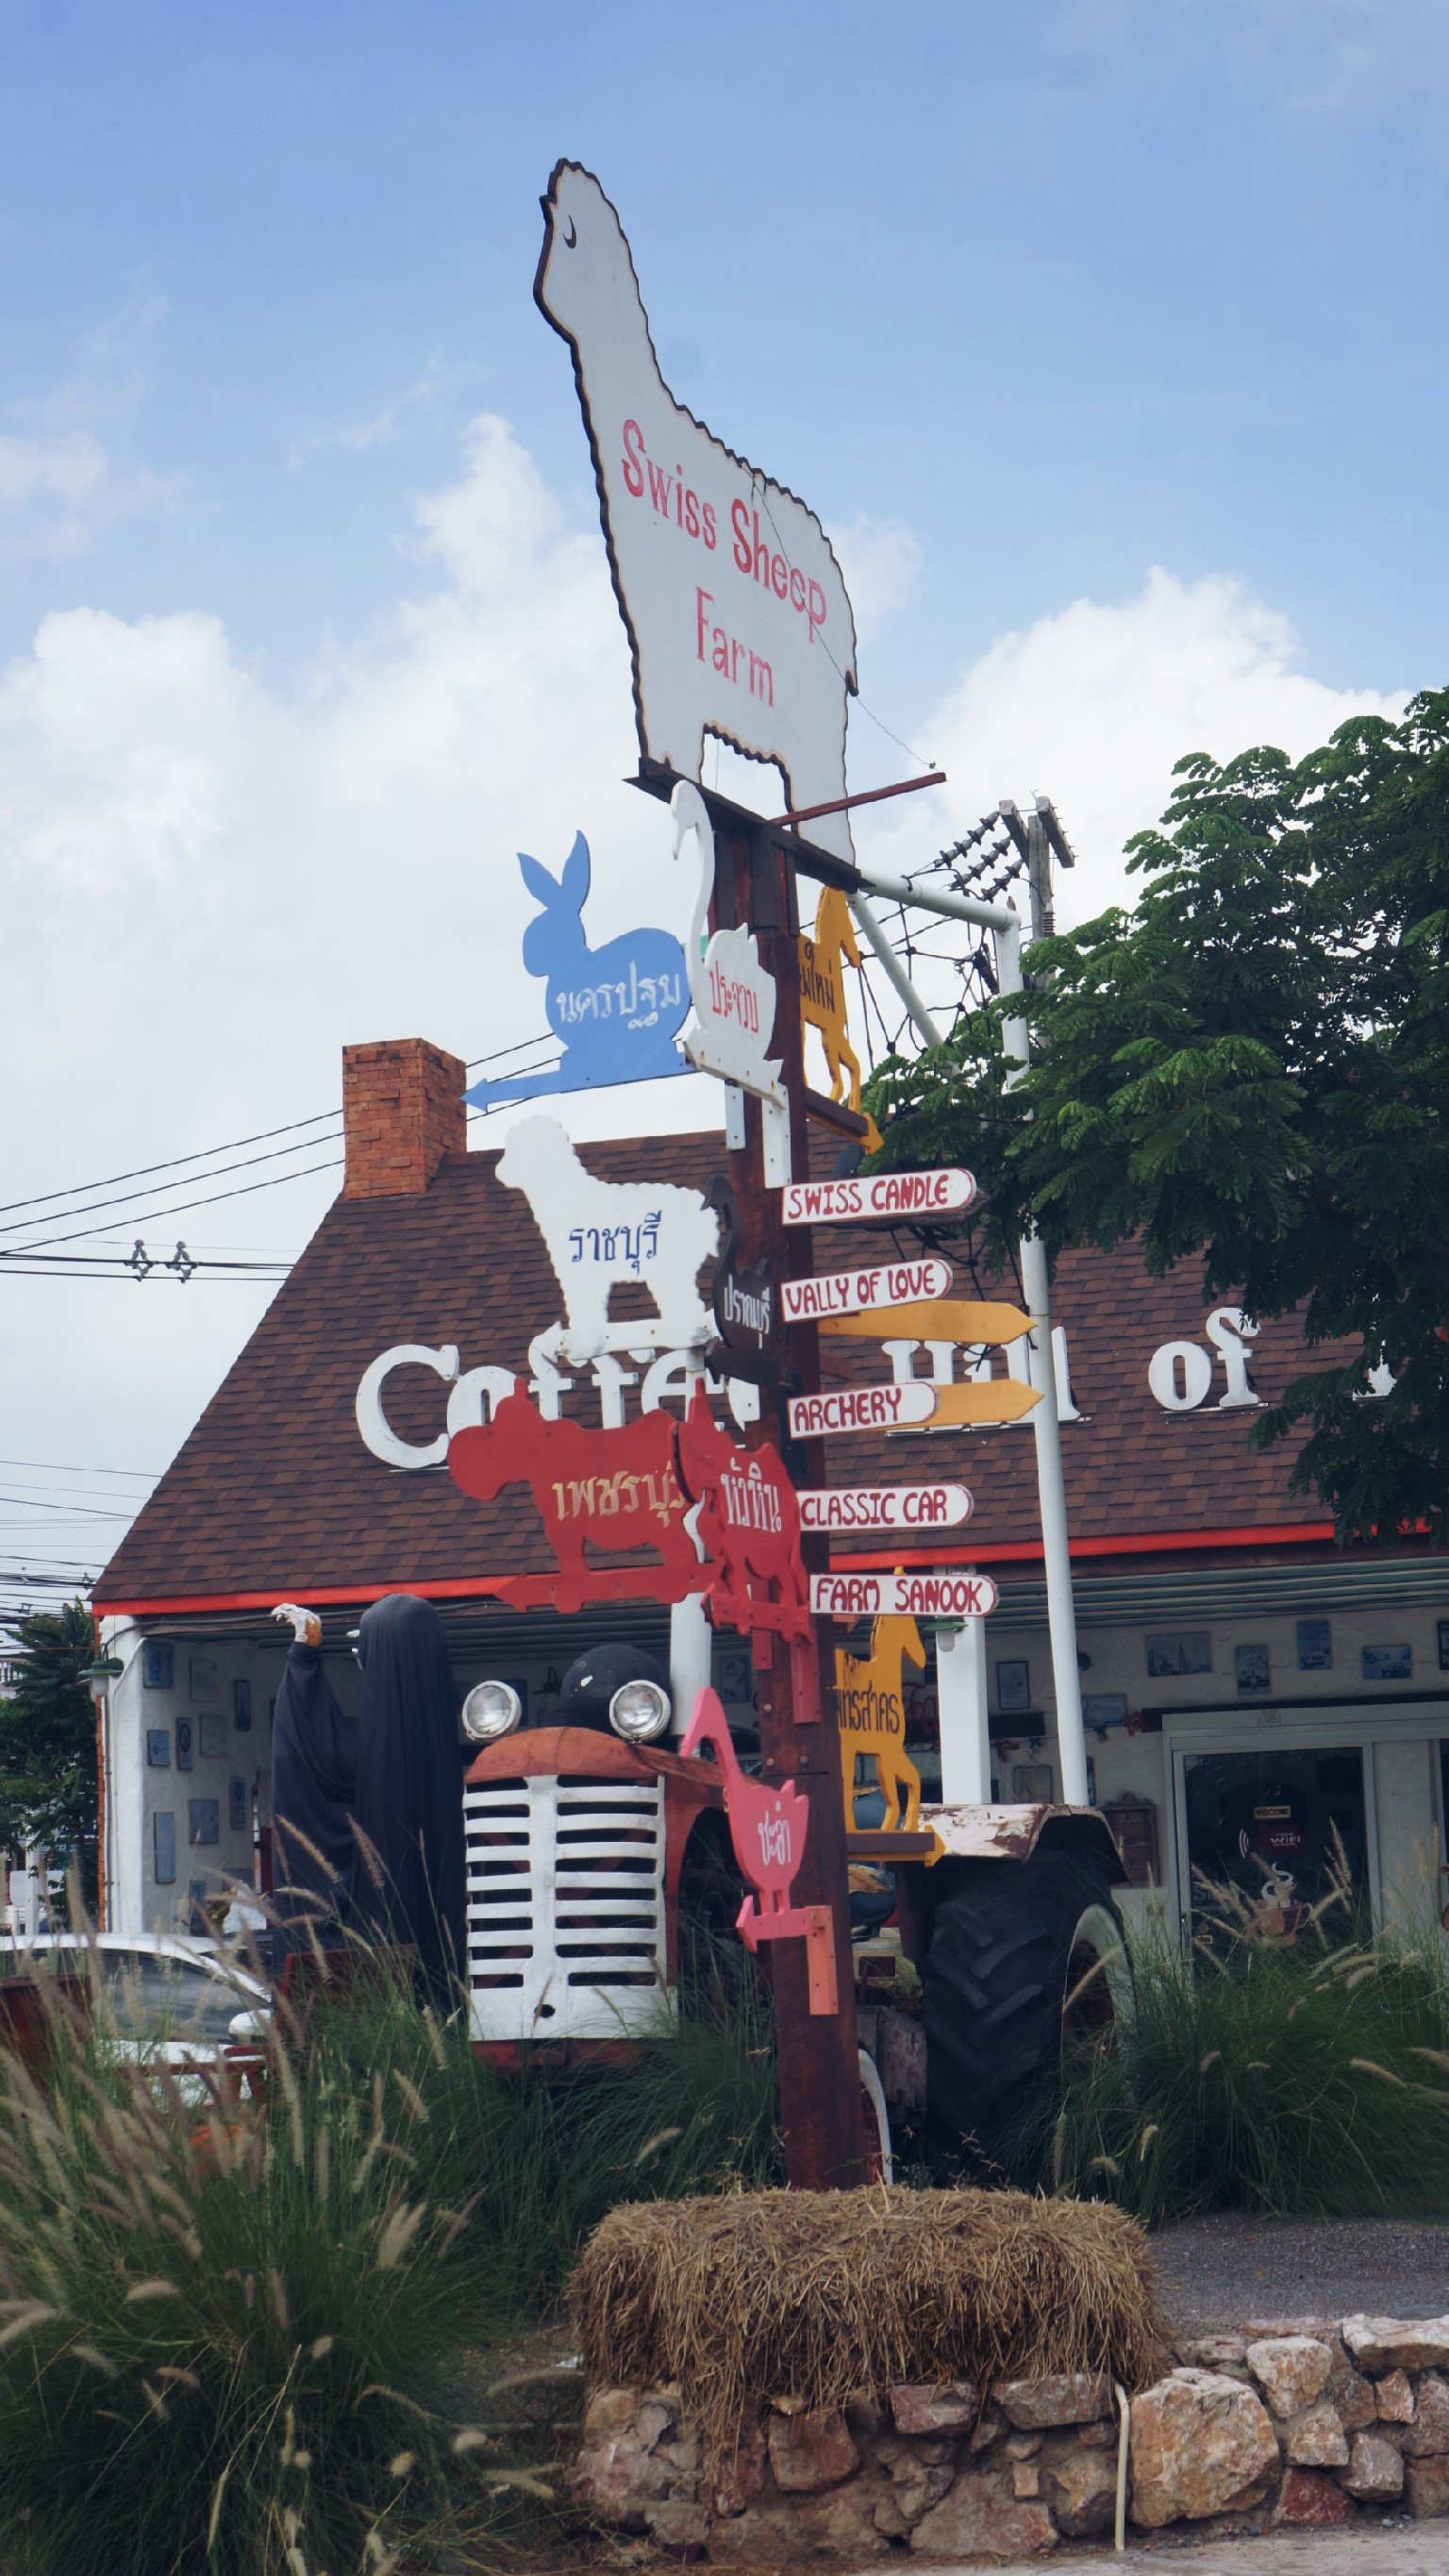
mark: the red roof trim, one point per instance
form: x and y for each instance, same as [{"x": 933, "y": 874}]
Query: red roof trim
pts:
[
  {"x": 1143, "y": 1543},
  {"x": 463, "y": 1587}
]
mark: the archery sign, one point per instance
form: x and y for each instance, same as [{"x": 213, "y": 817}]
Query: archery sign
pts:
[
  {"x": 883, "y": 1507},
  {"x": 951, "y": 1595},
  {"x": 883, "y": 1198},
  {"x": 860, "y": 1408},
  {"x": 855, "y": 1292}
]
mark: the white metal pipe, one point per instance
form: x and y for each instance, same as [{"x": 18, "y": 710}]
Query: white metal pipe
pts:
[
  {"x": 1047, "y": 1432},
  {"x": 895, "y": 973},
  {"x": 952, "y": 907},
  {"x": 691, "y": 1641},
  {"x": 962, "y": 1702}
]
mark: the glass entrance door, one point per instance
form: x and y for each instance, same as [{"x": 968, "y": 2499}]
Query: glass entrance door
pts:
[{"x": 1270, "y": 1823}]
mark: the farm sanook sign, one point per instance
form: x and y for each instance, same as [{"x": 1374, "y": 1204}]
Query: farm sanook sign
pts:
[{"x": 953, "y": 1595}]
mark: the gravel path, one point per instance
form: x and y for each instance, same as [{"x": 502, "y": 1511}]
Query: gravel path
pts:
[
  {"x": 1408, "y": 2549},
  {"x": 1217, "y": 2272}
]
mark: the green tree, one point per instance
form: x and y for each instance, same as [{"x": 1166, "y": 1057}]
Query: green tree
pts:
[
  {"x": 1253, "y": 1067},
  {"x": 48, "y": 1785}
]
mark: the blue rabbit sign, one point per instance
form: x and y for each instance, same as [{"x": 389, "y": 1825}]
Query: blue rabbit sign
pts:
[{"x": 615, "y": 1008}]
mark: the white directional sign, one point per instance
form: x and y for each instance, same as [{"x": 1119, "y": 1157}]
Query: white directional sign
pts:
[
  {"x": 879, "y": 1199},
  {"x": 883, "y": 1507},
  {"x": 860, "y": 1408},
  {"x": 926, "y": 1595},
  {"x": 854, "y": 1292}
]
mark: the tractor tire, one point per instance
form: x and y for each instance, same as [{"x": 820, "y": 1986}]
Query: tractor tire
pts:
[{"x": 1004, "y": 1994}]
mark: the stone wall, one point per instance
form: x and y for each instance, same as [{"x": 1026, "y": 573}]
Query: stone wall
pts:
[{"x": 1293, "y": 2422}]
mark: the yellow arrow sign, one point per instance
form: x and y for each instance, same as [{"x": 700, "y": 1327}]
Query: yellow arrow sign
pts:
[
  {"x": 992, "y": 1399},
  {"x": 943, "y": 1319}
]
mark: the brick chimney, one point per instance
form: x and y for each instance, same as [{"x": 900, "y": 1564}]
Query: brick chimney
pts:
[{"x": 402, "y": 1111}]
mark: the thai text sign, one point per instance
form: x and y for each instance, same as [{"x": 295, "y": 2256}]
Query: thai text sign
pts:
[
  {"x": 854, "y": 1292},
  {"x": 860, "y": 1408},
  {"x": 951, "y": 1595},
  {"x": 884, "y": 1507},
  {"x": 880, "y": 1199}
]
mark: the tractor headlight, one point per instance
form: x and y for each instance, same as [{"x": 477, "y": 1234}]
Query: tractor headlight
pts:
[
  {"x": 491, "y": 1709},
  {"x": 639, "y": 1711}
]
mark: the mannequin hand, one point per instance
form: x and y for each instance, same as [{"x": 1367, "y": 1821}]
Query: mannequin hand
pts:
[{"x": 306, "y": 1626}]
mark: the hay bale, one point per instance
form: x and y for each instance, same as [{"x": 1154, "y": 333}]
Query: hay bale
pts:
[{"x": 816, "y": 2295}]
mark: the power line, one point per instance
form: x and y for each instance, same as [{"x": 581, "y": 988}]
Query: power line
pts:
[{"x": 54, "y": 1467}]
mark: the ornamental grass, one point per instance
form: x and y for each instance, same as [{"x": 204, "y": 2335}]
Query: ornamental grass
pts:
[
  {"x": 230, "y": 2324},
  {"x": 1308, "y": 2079}
]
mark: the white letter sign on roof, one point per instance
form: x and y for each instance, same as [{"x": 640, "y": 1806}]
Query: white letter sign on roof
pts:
[
  {"x": 883, "y": 1507},
  {"x": 926, "y": 1595},
  {"x": 878, "y": 1200},
  {"x": 855, "y": 1292},
  {"x": 860, "y": 1408},
  {"x": 736, "y": 612}
]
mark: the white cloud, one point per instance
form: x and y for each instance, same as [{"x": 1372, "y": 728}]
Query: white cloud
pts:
[
  {"x": 210, "y": 887},
  {"x": 881, "y": 561},
  {"x": 1094, "y": 706},
  {"x": 62, "y": 484},
  {"x": 382, "y": 428}
]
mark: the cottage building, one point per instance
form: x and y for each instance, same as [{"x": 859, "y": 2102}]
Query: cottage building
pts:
[{"x": 1256, "y": 1700}]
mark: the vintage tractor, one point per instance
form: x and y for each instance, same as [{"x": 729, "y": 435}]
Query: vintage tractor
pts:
[{"x": 596, "y": 1859}]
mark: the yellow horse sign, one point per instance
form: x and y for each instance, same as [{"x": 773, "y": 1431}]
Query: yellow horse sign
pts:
[
  {"x": 823, "y": 961},
  {"x": 870, "y": 1697}
]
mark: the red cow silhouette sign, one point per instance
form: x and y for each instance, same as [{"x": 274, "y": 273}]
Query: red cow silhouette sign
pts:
[
  {"x": 612, "y": 1489},
  {"x": 749, "y": 1522}
]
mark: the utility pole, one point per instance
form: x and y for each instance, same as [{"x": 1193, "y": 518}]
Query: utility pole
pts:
[{"x": 1039, "y": 836}]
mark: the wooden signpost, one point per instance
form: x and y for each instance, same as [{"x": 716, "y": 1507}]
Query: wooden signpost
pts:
[{"x": 969, "y": 1320}]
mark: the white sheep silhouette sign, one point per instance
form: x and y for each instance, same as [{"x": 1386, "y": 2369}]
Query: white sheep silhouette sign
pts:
[
  {"x": 607, "y": 1234},
  {"x": 737, "y": 615}
]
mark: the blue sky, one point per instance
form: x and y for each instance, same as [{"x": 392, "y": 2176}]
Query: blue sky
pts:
[
  {"x": 1108, "y": 339},
  {"x": 1070, "y": 290}
]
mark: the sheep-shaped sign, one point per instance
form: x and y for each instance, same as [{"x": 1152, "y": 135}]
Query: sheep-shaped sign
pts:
[{"x": 737, "y": 615}]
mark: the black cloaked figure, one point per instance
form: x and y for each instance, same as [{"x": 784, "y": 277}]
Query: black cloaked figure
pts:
[
  {"x": 409, "y": 1803},
  {"x": 314, "y": 1783}
]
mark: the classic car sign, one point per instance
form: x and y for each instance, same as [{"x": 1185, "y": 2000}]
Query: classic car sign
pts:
[
  {"x": 854, "y": 1292},
  {"x": 736, "y": 612},
  {"x": 860, "y": 1408},
  {"x": 953, "y": 1595},
  {"x": 882, "y": 1198},
  {"x": 969, "y": 1320},
  {"x": 883, "y": 1507},
  {"x": 615, "y": 1008}
]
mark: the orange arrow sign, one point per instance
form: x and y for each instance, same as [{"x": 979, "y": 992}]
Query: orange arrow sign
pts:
[
  {"x": 991, "y": 1399},
  {"x": 945, "y": 1319}
]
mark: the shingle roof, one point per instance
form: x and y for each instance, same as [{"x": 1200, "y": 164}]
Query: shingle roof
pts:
[{"x": 275, "y": 1493}]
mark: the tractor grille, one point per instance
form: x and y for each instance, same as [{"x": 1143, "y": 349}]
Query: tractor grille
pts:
[{"x": 566, "y": 1928}]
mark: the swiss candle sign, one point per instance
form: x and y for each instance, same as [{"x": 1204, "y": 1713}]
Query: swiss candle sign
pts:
[
  {"x": 950, "y": 1595},
  {"x": 883, "y": 1507},
  {"x": 860, "y": 1408},
  {"x": 877, "y": 1200},
  {"x": 853, "y": 1292}
]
